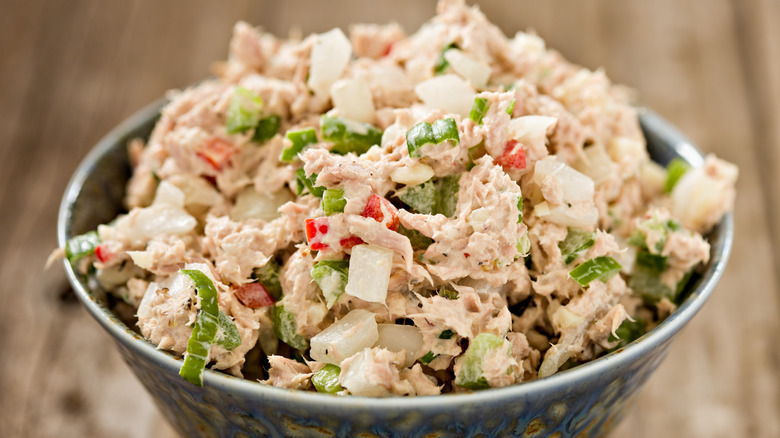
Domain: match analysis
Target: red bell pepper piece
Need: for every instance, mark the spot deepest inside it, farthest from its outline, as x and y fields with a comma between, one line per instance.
x=381, y=210
x=316, y=228
x=254, y=295
x=216, y=152
x=103, y=253
x=513, y=156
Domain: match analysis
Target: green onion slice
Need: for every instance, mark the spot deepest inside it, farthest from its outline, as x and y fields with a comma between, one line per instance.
x=511, y=108
x=442, y=63
x=478, y=109
x=471, y=375
x=300, y=139
x=228, y=335
x=268, y=276
x=600, y=268
x=308, y=183
x=674, y=171
x=267, y=128
x=286, y=329
x=81, y=246
x=204, y=331
x=575, y=243
x=349, y=136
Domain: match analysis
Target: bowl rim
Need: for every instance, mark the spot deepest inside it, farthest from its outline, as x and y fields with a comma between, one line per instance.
x=656, y=338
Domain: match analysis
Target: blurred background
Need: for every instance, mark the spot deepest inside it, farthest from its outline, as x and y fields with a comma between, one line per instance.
x=70, y=71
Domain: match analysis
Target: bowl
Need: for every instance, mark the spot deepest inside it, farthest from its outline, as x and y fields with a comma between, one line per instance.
x=588, y=400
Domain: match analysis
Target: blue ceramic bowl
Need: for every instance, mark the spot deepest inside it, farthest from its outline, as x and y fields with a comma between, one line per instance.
x=588, y=400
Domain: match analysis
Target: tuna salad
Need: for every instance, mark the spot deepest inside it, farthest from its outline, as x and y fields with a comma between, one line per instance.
x=376, y=213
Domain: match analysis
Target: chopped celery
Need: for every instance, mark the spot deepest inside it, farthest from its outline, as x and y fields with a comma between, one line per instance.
x=424, y=133
x=300, y=139
x=629, y=331
x=349, y=136
x=417, y=137
x=286, y=329
x=81, y=246
x=267, y=128
x=471, y=375
x=333, y=201
x=651, y=261
x=244, y=111
x=511, y=108
x=447, y=188
x=600, y=268
x=674, y=171
x=418, y=240
x=478, y=109
x=228, y=335
x=439, y=196
x=268, y=276
x=429, y=356
x=445, y=130
x=203, y=331
x=327, y=379
x=422, y=198
x=575, y=243
x=442, y=63
x=446, y=334
x=331, y=276
x=308, y=183
x=520, y=209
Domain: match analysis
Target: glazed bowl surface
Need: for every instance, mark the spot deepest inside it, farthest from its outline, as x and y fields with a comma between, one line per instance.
x=588, y=400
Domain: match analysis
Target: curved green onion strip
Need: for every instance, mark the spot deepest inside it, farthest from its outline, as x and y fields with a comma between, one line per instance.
x=309, y=183
x=674, y=171
x=575, y=243
x=445, y=130
x=204, y=331
x=478, y=109
x=599, y=268
x=300, y=139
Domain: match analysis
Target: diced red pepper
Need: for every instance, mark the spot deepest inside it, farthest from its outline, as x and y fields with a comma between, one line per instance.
x=217, y=152
x=350, y=241
x=103, y=253
x=254, y=295
x=388, y=49
x=513, y=156
x=381, y=210
x=316, y=228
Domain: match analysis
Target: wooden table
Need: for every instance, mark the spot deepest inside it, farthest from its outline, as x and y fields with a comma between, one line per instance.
x=69, y=71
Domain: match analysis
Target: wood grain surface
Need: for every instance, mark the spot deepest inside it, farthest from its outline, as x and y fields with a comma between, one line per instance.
x=71, y=70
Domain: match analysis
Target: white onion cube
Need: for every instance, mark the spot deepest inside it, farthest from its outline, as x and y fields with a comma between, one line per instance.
x=369, y=273
x=345, y=337
x=329, y=57
x=447, y=92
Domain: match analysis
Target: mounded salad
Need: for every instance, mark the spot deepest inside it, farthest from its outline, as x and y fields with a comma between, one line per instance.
x=380, y=214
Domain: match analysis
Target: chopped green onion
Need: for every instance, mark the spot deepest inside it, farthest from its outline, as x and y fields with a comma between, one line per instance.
x=520, y=209
x=267, y=128
x=417, y=137
x=300, y=139
x=511, y=108
x=674, y=171
x=446, y=334
x=600, y=268
x=524, y=245
x=333, y=201
x=478, y=109
x=331, y=276
x=445, y=130
x=647, y=283
x=81, y=246
x=629, y=331
x=228, y=335
x=429, y=356
x=327, y=379
x=349, y=136
x=286, y=329
x=638, y=237
x=418, y=240
x=268, y=276
x=244, y=111
x=442, y=63
x=576, y=242
x=308, y=183
x=204, y=331
x=471, y=375
x=424, y=133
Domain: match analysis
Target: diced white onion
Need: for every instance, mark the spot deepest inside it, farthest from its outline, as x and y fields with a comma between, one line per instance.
x=352, y=98
x=369, y=273
x=412, y=174
x=448, y=93
x=197, y=191
x=329, y=57
x=653, y=177
x=476, y=71
x=345, y=337
x=168, y=194
x=595, y=163
x=142, y=259
x=531, y=129
x=155, y=220
x=251, y=204
x=699, y=200
x=528, y=42
x=405, y=338
x=576, y=186
x=564, y=318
